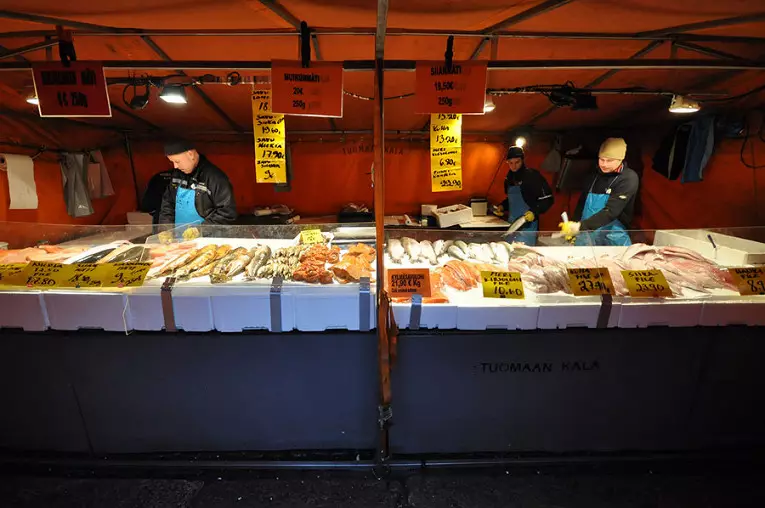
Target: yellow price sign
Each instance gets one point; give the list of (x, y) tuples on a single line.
[(13, 274), (261, 102), (124, 275), (443, 180), (749, 281), (502, 285), (445, 158), (269, 126), (309, 236), (41, 274), (80, 275), (404, 282), (647, 284), (445, 130), (590, 281)]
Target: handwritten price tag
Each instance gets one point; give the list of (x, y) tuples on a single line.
[(443, 180), (43, 275), (750, 281), (270, 144), (311, 236), (124, 275), (445, 158), (461, 89), (13, 274), (407, 282), (502, 285), (313, 91), (590, 281), (646, 284), (445, 131), (80, 275)]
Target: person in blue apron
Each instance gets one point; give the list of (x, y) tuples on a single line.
[(528, 195), (199, 193), (606, 207)]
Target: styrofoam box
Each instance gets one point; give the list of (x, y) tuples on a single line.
[(644, 312), (498, 316), (236, 309), (23, 309), (191, 307), (460, 214), (743, 311), (331, 307), (730, 249), (146, 309), (433, 316), (573, 312), (74, 310)]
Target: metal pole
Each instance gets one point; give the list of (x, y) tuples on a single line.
[(129, 151)]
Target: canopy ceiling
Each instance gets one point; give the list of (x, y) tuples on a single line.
[(516, 21)]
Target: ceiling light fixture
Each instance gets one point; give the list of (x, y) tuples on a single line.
[(32, 99), (682, 104), (488, 104), (173, 94), (520, 141)]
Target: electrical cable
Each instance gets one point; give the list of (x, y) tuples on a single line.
[(736, 97), (748, 135)]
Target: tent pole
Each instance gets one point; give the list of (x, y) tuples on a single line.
[(129, 151)]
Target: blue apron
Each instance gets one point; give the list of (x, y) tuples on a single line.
[(185, 209), (613, 233), (528, 232)]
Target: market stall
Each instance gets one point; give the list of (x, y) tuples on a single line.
[(362, 286)]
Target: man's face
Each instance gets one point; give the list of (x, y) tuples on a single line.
[(515, 164), (609, 165), (185, 162)]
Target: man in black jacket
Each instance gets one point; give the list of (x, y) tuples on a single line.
[(528, 195), (199, 192)]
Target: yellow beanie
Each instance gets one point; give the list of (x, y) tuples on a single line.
[(613, 148)]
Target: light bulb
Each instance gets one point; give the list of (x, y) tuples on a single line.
[(520, 141)]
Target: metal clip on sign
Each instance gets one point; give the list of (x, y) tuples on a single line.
[(168, 312), (416, 313), (305, 44), (276, 304), (449, 55), (604, 314), (65, 46), (364, 304)]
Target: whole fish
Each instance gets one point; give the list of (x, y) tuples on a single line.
[(500, 253), (458, 253), (121, 254), (206, 255), (508, 247), (412, 248), (485, 253), (260, 258), (439, 247), (428, 252), (396, 250), (175, 263), (238, 265), (218, 274), (474, 250), (96, 256), (463, 247)]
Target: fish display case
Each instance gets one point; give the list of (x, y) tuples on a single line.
[(205, 278), (663, 278)]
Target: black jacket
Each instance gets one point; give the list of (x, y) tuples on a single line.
[(535, 190), (214, 195), (621, 201), (152, 198)]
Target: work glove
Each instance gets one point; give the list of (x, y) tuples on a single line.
[(190, 234), (498, 210), (165, 237), (570, 229), (529, 216)]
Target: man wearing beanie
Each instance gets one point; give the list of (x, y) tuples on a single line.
[(607, 204), (199, 192), (528, 195)]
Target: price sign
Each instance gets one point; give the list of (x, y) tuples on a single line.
[(313, 91), (750, 281), (13, 274), (646, 284), (124, 275), (445, 131), (461, 89), (80, 275), (590, 281), (75, 91), (445, 158), (502, 285), (311, 236), (403, 282), (443, 180), (270, 144), (41, 274)]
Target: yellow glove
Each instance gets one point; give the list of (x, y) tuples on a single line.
[(529, 216), (165, 237), (190, 234), (498, 210), (570, 229)]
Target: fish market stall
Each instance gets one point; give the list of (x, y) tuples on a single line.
[(517, 349), (112, 377)]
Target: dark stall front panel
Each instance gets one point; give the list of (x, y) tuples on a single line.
[(551, 391), (218, 392)]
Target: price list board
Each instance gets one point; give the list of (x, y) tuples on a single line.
[(446, 152), (307, 91), (270, 140), (459, 89), (77, 90)]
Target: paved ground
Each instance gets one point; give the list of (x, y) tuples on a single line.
[(436, 490)]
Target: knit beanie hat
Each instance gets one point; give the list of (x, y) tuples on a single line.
[(613, 148), (515, 152), (179, 146)]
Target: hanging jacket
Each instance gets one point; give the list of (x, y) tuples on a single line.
[(686, 150), (622, 189), (214, 195), (535, 190)]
